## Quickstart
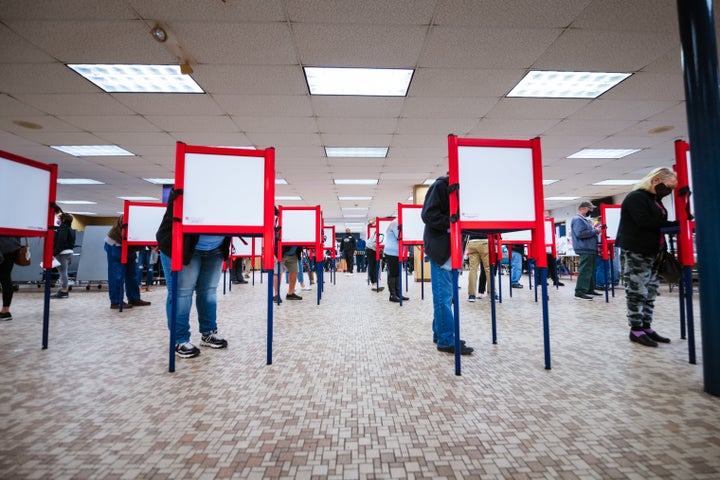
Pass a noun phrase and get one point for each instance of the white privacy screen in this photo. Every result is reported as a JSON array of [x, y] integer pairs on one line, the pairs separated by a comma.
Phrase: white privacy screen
[[24, 196], [223, 190], [524, 236], [612, 220], [496, 184], [299, 226], [329, 242], [240, 249], [413, 226], [143, 222]]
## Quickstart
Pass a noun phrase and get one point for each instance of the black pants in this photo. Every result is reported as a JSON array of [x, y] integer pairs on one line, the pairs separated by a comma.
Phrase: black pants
[[5, 281], [393, 276], [371, 264], [349, 260]]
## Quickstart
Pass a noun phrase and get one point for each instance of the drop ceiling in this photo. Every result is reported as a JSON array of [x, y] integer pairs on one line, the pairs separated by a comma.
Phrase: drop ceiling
[[249, 56]]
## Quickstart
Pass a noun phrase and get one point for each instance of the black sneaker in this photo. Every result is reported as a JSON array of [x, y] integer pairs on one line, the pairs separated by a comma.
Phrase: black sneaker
[[186, 350], [464, 349], [293, 296], [115, 306], [277, 299], [213, 340], [394, 298], [582, 296], [655, 336], [597, 294], [517, 285], [6, 316], [60, 294], [643, 339]]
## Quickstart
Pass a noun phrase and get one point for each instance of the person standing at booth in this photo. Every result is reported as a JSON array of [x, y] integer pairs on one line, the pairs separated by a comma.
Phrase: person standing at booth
[[370, 256], [585, 242], [116, 270], [478, 253], [642, 216], [392, 253], [8, 249], [436, 237], [63, 246], [202, 259], [348, 250]]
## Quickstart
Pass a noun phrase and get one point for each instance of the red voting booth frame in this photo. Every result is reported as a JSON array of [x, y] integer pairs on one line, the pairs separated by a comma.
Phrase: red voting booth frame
[[404, 243], [536, 225], [48, 234], [686, 247], [316, 245], [266, 230]]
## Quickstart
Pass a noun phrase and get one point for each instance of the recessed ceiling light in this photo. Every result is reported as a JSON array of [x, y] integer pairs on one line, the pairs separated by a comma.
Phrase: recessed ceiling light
[[76, 202], [78, 181], [280, 181], [84, 213], [561, 198], [138, 78], [354, 216], [549, 181], [288, 198], [553, 84], [616, 182], [358, 181], [139, 199], [355, 208], [354, 198], [93, 150], [604, 152], [358, 152], [160, 181], [381, 82]]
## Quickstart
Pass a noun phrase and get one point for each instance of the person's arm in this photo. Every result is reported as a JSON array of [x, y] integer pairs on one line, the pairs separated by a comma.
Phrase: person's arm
[[435, 209], [646, 215]]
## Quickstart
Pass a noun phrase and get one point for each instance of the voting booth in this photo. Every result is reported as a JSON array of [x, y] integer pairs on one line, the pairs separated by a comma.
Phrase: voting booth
[[203, 176], [484, 203], [30, 188], [302, 227]]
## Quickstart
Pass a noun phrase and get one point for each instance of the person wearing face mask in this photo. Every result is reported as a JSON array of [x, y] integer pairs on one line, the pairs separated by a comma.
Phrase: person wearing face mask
[[642, 216], [585, 242]]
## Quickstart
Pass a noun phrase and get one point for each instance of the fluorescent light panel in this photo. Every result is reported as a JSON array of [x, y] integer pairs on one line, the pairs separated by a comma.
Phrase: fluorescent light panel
[[604, 152], [354, 198], [429, 181], [554, 84], [160, 181], [280, 181], [93, 150], [138, 78], [357, 181], [78, 181], [355, 208], [354, 216], [606, 183], [561, 198], [357, 152], [84, 213], [139, 199], [288, 198], [76, 202], [549, 181], [379, 82]]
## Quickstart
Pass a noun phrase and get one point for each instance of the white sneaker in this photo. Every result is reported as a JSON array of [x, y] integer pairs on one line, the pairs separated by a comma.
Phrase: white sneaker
[[307, 289]]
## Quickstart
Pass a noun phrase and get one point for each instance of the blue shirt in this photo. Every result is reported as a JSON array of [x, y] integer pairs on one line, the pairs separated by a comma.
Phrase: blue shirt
[[392, 247], [209, 242]]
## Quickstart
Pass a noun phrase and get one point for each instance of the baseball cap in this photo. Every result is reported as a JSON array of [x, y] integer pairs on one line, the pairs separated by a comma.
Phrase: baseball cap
[[586, 205]]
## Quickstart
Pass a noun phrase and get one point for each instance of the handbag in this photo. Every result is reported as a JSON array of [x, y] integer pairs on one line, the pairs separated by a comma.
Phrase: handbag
[[668, 267], [22, 256]]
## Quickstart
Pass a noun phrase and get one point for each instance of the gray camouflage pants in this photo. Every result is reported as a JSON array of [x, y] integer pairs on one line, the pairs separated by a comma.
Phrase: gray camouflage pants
[[641, 287]]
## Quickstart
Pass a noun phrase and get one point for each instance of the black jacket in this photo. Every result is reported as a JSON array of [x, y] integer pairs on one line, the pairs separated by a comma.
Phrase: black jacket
[[164, 236], [348, 244], [641, 218], [436, 216], [64, 239]]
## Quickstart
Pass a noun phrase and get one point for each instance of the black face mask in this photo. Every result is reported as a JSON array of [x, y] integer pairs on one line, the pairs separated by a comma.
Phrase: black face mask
[[662, 190], [588, 213]]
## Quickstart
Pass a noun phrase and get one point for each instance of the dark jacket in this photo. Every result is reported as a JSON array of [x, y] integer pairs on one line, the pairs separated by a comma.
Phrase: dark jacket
[[641, 218], [64, 239], [164, 236], [584, 236], [348, 244], [436, 216]]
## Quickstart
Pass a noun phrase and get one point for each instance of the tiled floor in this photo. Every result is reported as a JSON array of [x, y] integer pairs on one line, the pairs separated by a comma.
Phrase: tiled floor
[[356, 390]]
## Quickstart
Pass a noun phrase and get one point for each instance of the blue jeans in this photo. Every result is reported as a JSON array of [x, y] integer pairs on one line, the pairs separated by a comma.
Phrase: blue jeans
[[516, 268], [443, 319], [115, 275], [144, 262], [201, 276], [613, 271]]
